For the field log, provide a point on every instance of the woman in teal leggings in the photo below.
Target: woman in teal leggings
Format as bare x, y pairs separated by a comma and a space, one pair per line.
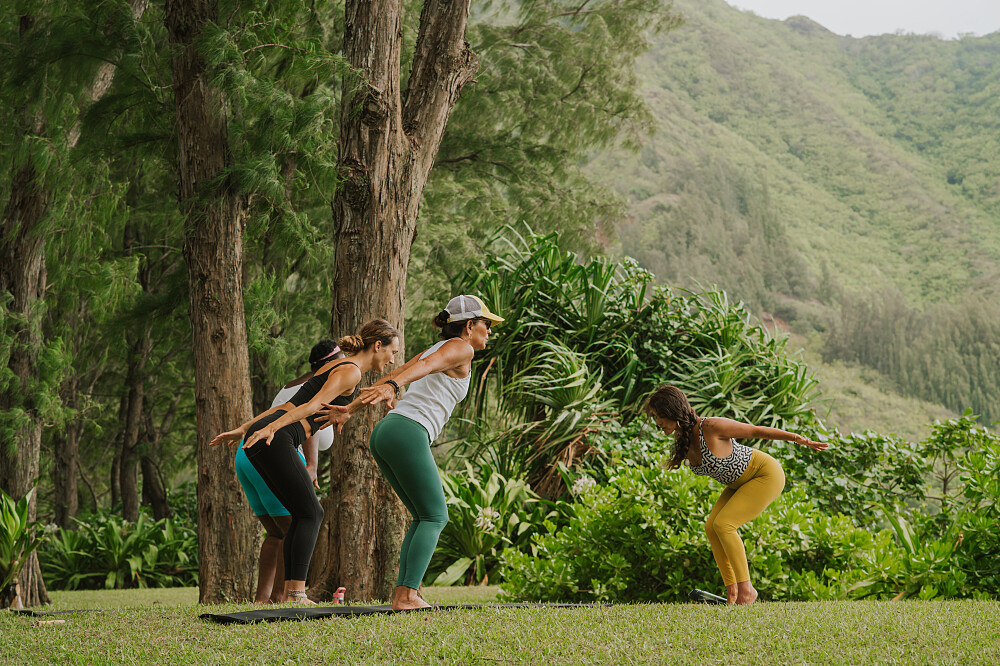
439, 380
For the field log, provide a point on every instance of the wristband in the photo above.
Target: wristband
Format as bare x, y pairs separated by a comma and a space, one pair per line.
393, 384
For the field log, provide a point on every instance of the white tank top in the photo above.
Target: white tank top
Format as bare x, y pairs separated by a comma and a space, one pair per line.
324, 438
430, 400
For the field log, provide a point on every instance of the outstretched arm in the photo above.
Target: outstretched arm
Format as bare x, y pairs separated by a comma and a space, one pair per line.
727, 428
237, 434
336, 384
453, 354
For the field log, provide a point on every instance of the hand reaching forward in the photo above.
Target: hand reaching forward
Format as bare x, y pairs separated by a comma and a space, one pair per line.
228, 437
805, 441
266, 433
372, 395
333, 415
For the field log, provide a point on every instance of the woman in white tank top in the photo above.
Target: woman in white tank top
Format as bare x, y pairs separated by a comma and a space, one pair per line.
400, 443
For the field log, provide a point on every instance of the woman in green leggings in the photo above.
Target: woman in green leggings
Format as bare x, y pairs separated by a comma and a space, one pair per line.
439, 380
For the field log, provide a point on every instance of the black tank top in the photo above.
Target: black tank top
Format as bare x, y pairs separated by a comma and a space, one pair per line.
310, 388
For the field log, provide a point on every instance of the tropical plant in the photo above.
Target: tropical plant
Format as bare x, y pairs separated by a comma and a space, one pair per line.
640, 537
18, 539
488, 513
110, 553
868, 476
585, 341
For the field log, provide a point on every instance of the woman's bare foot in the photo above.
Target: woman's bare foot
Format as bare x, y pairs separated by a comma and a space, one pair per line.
299, 597
295, 593
406, 598
746, 594
732, 594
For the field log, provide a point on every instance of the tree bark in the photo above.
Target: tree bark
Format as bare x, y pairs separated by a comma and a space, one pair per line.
131, 424
387, 147
66, 454
22, 278
154, 494
213, 251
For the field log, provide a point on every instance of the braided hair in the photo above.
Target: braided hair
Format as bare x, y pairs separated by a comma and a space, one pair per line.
669, 402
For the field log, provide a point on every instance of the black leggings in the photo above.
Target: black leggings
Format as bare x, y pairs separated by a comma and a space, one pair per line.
283, 472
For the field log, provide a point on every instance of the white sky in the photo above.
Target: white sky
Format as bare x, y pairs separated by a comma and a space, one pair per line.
945, 18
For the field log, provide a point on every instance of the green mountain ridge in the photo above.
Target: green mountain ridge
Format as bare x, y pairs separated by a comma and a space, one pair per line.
783, 134
848, 186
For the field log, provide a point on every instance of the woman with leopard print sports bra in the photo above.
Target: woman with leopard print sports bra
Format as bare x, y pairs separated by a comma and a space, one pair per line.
752, 478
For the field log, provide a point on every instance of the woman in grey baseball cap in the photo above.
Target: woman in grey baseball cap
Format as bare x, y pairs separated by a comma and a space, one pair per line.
400, 443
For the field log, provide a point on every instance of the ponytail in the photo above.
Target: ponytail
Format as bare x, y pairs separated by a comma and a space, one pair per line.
377, 330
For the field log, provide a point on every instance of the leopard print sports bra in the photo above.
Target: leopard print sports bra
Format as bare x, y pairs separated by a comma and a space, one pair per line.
724, 470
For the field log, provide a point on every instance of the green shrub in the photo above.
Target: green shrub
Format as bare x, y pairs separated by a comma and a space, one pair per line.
110, 553
640, 537
862, 475
486, 517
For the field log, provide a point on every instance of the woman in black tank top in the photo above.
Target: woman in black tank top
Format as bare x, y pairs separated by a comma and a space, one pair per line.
271, 440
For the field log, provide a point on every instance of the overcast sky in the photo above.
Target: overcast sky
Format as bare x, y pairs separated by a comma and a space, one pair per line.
946, 18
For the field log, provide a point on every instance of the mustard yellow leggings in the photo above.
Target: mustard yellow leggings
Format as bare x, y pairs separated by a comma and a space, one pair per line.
741, 502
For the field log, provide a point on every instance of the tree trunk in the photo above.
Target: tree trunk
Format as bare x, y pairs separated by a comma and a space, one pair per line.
154, 494
213, 252
387, 147
66, 454
131, 425
22, 279
115, 482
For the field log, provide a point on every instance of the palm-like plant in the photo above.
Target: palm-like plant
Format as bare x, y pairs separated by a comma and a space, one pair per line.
584, 342
18, 538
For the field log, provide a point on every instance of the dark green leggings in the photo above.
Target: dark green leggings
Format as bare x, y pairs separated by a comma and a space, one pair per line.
402, 449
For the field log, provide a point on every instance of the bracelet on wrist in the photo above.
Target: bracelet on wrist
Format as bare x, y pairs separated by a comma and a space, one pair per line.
394, 385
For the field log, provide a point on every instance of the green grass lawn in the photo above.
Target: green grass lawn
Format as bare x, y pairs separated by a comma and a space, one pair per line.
163, 627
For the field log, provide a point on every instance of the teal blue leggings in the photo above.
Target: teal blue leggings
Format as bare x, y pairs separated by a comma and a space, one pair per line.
402, 449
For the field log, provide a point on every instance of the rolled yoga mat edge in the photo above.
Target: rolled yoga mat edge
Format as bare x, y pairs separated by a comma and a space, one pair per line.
320, 612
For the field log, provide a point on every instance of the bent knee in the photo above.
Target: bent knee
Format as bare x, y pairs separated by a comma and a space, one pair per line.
722, 528
313, 513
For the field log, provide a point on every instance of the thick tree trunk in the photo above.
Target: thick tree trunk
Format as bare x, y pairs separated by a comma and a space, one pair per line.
22, 281
213, 251
386, 150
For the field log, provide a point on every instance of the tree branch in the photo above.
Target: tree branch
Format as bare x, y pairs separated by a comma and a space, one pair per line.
442, 65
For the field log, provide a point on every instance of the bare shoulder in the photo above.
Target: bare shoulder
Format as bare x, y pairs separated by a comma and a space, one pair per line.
348, 371
458, 348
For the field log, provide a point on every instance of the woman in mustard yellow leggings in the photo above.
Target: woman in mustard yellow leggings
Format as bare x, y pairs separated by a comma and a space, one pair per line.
752, 478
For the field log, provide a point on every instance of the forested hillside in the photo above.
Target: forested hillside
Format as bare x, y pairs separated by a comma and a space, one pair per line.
850, 186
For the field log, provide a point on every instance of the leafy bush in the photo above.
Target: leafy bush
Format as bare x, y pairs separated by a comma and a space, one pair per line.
863, 475
110, 553
641, 537
585, 341
485, 518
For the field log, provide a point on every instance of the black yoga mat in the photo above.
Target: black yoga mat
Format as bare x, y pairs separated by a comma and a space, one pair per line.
319, 612
701, 596
31, 613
